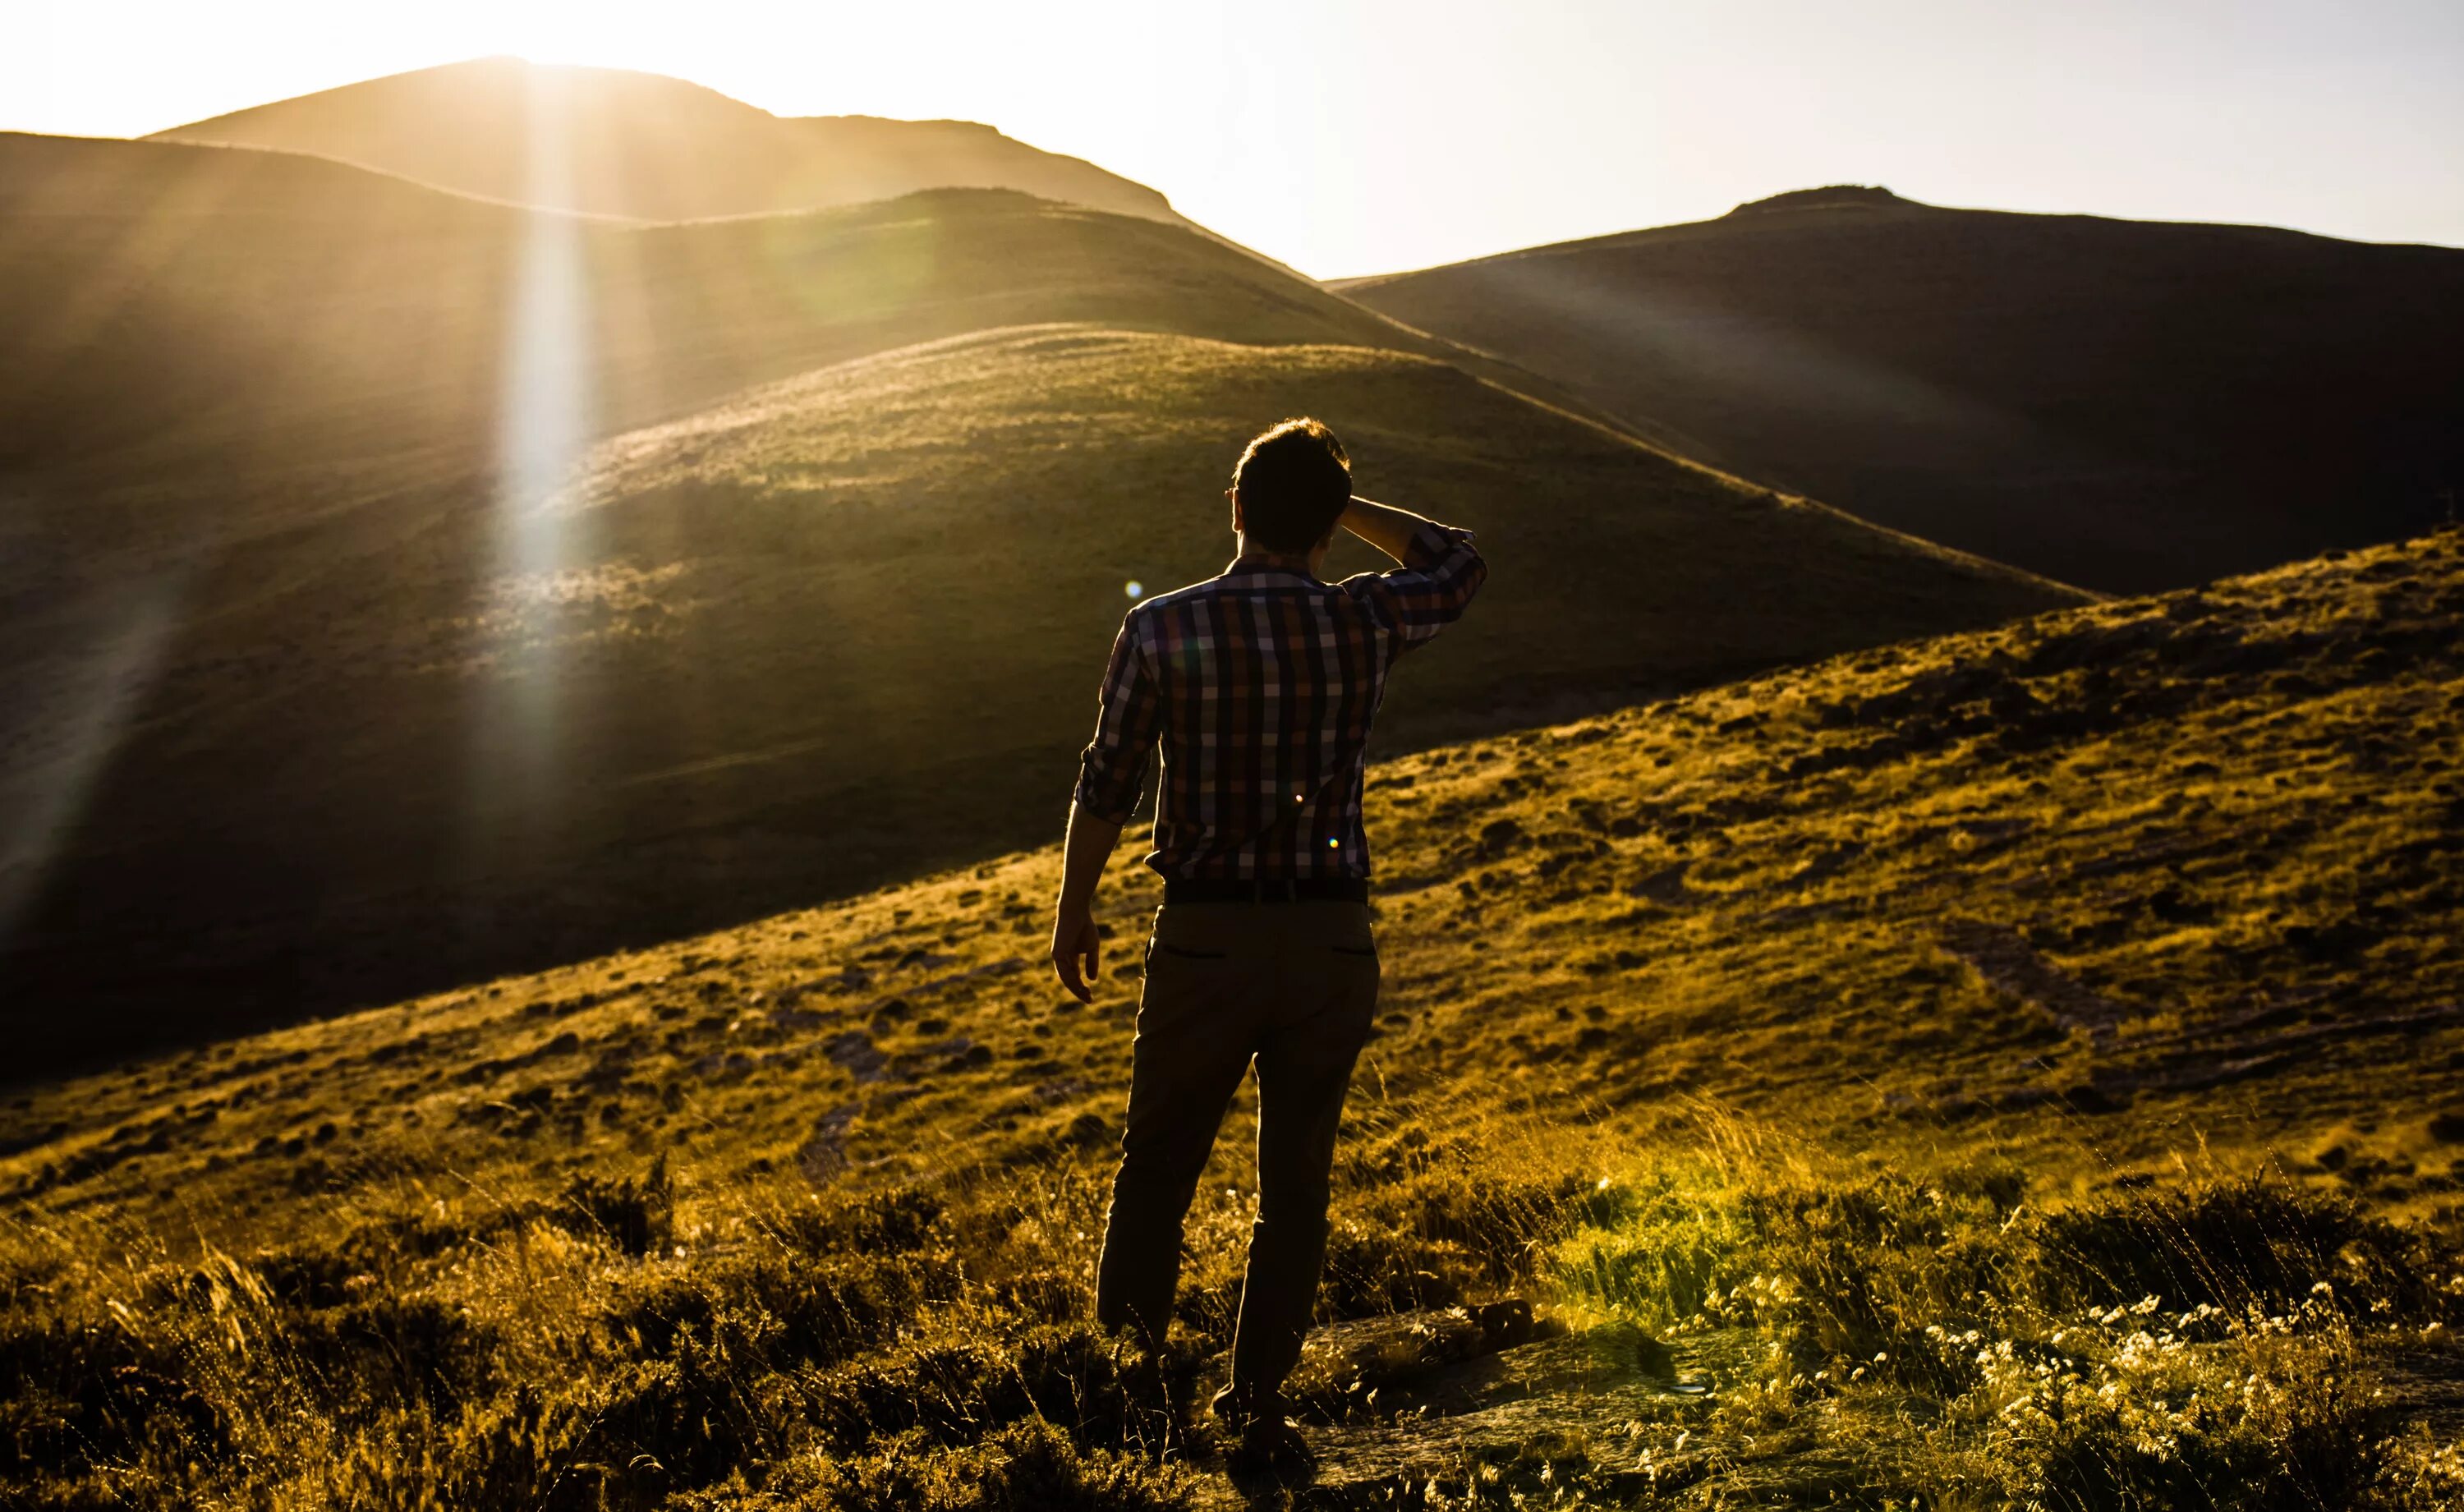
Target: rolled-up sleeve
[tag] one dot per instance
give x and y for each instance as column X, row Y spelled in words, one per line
column 1441, row 571
column 1113, row 766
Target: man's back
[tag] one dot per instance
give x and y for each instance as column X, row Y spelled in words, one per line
column 1260, row 685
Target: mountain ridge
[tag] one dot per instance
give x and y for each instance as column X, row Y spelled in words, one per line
column 646, row 146
column 2124, row 404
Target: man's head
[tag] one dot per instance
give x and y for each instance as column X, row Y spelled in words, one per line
column 1290, row 487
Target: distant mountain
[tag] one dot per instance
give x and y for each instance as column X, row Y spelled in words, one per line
column 404, row 587
column 2119, row 404
column 642, row 146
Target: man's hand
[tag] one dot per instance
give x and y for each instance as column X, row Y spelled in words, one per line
column 1075, row 940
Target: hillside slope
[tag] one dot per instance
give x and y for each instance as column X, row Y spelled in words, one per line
column 278, row 313
column 2126, row 406
column 819, row 637
column 642, row 146
column 2041, row 931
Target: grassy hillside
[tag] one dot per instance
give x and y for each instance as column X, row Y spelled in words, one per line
column 2121, row 405
column 610, row 142
column 334, row 680
column 198, row 310
column 829, row 633
column 2019, row 1066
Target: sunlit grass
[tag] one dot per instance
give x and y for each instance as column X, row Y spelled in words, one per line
column 1972, row 1105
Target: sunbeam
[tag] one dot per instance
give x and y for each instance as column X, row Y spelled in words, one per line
column 104, row 687
column 544, row 425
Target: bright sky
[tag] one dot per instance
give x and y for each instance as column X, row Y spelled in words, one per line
column 1361, row 136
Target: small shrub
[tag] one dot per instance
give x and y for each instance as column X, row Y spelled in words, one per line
column 2125, row 1418
column 2231, row 1244
column 635, row 1216
column 1372, row 1271
column 781, row 1310
column 1678, row 1238
column 392, row 1347
column 82, row 1388
column 1074, row 1377
column 895, row 1221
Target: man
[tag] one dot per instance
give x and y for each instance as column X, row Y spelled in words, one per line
column 1259, row 684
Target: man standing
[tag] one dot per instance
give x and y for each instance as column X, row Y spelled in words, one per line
column 1259, row 684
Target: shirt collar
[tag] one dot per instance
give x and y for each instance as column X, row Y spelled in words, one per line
column 1246, row 567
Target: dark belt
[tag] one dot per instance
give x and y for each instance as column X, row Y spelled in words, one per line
column 1231, row 889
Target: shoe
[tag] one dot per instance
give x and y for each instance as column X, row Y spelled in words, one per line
column 1234, row 1408
column 1267, row 1441
column 1273, row 1446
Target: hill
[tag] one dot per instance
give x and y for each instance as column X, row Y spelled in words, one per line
column 642, row 147
column 281, row 310
column 2127, row 405
column 344, row 668
column 2010, row 1066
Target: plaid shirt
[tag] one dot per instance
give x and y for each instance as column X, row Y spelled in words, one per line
column 1259, row 684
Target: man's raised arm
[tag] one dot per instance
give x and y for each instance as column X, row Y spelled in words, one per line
column 1440, row 570
column 1382, row 525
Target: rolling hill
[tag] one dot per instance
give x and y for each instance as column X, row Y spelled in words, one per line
column 642, row 146
column 416, row 587
column 2121, row 405
column 394, row 727
column 280, row 311
column 1917, row 1076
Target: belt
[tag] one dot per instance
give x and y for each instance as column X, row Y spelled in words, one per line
column 1232, row 890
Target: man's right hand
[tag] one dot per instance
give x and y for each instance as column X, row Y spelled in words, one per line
column 1075, row 941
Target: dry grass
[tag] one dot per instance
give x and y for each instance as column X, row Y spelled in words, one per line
column 1943, row 1004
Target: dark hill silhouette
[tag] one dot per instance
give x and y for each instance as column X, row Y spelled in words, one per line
column 1829, row 197
column 320, row 692
column 611, row 142
column 2124, row 404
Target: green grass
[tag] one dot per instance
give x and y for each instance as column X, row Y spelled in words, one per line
column 1932, row 1341
column 804, row 1210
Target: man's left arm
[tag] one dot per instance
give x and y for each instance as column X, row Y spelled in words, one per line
column 1075, row 943
column 1112, row 771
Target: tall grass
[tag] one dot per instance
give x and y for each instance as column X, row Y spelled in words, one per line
column 1873, row 1337
column 2205, row 1346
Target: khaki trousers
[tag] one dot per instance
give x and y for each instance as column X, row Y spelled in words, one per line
column 1289, row 988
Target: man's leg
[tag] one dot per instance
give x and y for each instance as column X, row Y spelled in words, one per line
column 1303, row 1070
column 1196, row 1034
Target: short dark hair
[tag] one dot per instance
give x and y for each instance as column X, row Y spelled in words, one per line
column 1293, row 482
